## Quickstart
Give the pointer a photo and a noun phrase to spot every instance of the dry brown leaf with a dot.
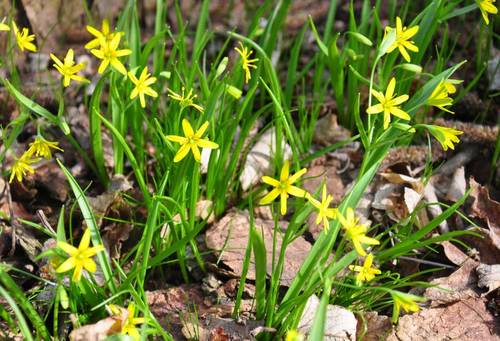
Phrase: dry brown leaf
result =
(327, 131)
(52, 19)
(488, 276)
(466, 320)
(229, 237)
(453, 253)
(458, 286)
(485, 208)
(373, 327)
(51, 178)
(100, 330)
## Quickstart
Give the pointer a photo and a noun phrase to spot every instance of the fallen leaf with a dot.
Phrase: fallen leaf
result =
(373, 327)
(340, 323)
(52, 179)
(466, 320)
(453, 253)
(488, 276)
(460, 285)
(98, 331)
(229, 238)
(485, 208)
(327, 131)
(51, 19)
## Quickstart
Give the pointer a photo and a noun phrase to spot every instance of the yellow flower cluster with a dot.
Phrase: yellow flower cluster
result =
(355, 232)
(40, 148)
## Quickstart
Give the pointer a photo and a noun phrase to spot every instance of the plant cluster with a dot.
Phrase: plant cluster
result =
(183, 128)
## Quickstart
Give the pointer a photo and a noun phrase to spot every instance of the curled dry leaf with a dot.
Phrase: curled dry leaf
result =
(229, 237)
(489, 276)
(466, 320)
(340, 323)
(258, 162)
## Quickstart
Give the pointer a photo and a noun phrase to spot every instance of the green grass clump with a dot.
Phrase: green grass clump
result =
(181, 123)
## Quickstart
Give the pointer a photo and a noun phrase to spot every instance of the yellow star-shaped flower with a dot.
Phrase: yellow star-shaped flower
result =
(403, 42)
(129, 325)
(355, 232)
(142, 86)
(191, 141)
(21, 167)
(80, 258)
(68, 68)
(324, 212)
(24, 39)
(185, 100)
(388, 104)
(283, 187)
(105, 33)
(246, 62)
(42, 147)
(109, 53)
(366, 272)
(487, 6)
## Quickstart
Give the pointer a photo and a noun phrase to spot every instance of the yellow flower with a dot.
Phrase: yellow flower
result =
(366, 272)
(4, 27)
(42, 147)
(439, 97)
(403, 36)
(283, 187)
(355, 232)
(103, 33)
(142, 86)
(293, 335)
(22, 166)
(79, 258)
(486, 6)
(69, 69)
(109, 53)
(389, 105)
(405, 301)
(24, 39)
(324, 212)
(246, 62)
(449, 85)
(191, 140)
(129, 326)
(185, 100)
(446, 136)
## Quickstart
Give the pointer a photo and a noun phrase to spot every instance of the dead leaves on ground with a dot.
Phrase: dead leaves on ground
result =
(229, 238)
